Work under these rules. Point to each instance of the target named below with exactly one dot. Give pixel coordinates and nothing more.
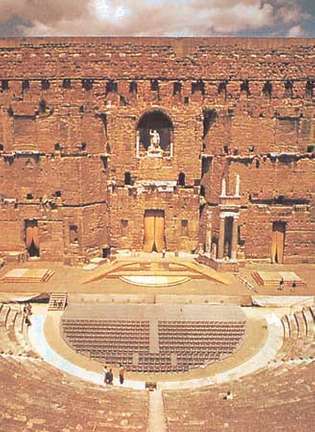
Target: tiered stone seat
(198, 343)
(182, 345)
(277, 399)
(109, 341)
(299, 333)
(13, 332)
(40, 398)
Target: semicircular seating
(279, 397)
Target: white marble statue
(154, 139)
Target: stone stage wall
(74, 162)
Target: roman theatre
(157, 213)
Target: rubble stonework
(78, 170)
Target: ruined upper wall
(166, 58)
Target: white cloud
(295, 31)
(152, 17)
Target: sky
(283, 18)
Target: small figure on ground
(27, 321)
(163, 253)
(29, 308)
(109, 377)
(281, 284)
(121, 374)
(105, 370)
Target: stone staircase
(57, 301)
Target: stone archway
(154, 135)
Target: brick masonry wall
(65, 146)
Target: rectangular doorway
(154, 231)
(32, 238)
(278, 239)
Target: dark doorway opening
(278, 239)
(32, 238)
(228, 228)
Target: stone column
(237, 186)
(208, 231)
(223, 188)
(221, 237)
(234, 238)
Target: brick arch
(155, 120)
(153, 111)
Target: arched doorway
(154, 231)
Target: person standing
(105, 370)
(121, 374)
(109, 377)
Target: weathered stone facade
(78, 171)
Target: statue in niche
(154, 149)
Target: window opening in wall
(186, 100)
(128, 179)
(198, 86)
(309, 88)
(226, 149)
(228, 229)
(267, 89)
(66, 83)
(4, 85)
(58, 194)
(209, 118)
(74, 234)
(181, 179)
(111, 87)
(288, 88)
(29, 196)
(154, 85)
(177, 88)
(42, 106)
(105, 162)
(82, 109)
(257, 163)
(83, 146)
(310, 148)
(240, 241)
(133, 87)
(222, 88)
(184, 228)
(205, 166)
(45, 84)
(244, 87)
(154, 135)
(1, 147)
(25, 85)
(58, 147)
(122, 101)
(87, 84)
(124, 227)
(32, 238)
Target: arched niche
(155, 135)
